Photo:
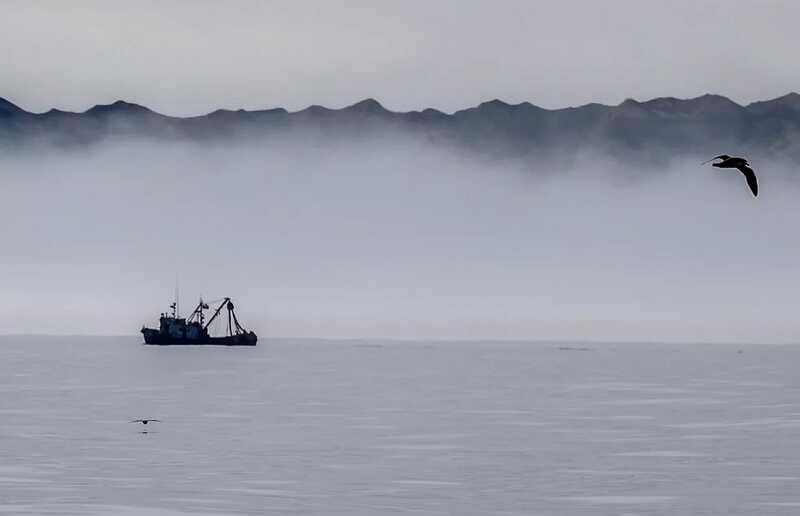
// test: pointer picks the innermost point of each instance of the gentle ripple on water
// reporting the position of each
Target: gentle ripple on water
(360, 427)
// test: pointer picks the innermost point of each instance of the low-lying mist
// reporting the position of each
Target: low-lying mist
(395, 238)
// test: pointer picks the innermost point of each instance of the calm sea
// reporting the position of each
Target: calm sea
(371, 428)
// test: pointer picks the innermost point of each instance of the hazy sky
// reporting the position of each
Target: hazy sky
(393, 237)
(191, 57)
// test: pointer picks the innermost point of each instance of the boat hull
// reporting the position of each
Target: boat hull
(154, 337)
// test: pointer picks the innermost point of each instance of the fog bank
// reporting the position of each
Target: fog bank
(395, 238)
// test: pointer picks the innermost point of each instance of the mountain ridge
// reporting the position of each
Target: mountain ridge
(653, 130)
(123, 104)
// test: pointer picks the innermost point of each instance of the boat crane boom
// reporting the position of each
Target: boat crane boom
(216, 312)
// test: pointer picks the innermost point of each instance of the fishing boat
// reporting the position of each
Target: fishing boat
(175, 330)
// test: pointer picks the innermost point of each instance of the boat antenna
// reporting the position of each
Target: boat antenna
(177, 297)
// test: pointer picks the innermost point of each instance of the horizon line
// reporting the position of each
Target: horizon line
(446, 340)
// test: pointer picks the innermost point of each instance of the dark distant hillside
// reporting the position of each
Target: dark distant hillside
(654, 131)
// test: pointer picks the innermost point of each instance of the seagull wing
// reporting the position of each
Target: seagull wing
(721, 156)
(156, 420)
(752, 181)
(138, 421)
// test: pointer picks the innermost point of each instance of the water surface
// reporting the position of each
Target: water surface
(373, 427)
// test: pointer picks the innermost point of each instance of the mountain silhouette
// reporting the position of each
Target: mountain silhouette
(651, 132)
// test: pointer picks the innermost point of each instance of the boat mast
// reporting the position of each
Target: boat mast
(177, 297)
(197, 313)
(230, 310)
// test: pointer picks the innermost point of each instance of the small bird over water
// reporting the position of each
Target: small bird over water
(145, 421)
(740, 164)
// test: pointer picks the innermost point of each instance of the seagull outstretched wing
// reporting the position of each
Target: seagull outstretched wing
(752, 181)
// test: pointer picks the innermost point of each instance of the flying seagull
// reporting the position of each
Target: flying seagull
(741, 165)
(145, 421)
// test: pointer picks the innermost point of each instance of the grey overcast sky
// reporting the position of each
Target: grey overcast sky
(190, 57)
(393, 236)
